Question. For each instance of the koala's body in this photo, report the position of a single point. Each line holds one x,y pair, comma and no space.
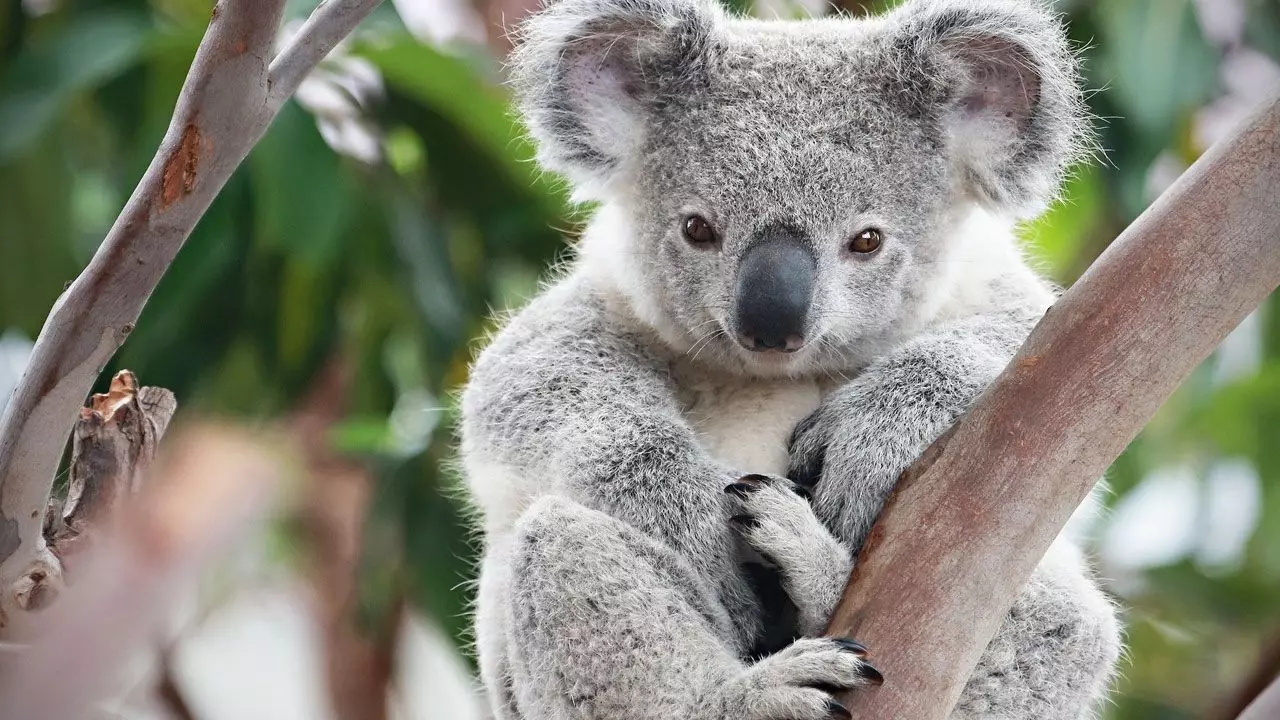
802,266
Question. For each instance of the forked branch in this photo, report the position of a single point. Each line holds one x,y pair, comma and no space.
230,96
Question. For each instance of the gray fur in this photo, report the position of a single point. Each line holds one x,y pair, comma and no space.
602,425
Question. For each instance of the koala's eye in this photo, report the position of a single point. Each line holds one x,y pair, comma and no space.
865,242
698,231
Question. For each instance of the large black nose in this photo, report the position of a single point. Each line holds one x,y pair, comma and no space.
775,286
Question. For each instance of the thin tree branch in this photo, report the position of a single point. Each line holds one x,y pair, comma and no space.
226,104
332,21
968,523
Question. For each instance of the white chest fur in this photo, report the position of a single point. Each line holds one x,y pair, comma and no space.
746,422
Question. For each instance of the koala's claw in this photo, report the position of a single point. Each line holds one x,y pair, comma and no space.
798,682
852,646
743,487
775,518
748,484
836,710
872,675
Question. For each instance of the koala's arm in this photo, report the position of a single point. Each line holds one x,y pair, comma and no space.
566,401
1057,648
851,451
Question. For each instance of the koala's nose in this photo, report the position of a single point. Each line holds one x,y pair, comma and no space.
773,293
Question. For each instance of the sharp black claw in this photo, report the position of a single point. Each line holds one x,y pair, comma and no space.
871,674
749,522
852,646
836,710
741,489
802,491
755,479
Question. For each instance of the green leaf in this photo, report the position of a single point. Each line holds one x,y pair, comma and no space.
301,194
91,49
453,89
1057,237
1157,61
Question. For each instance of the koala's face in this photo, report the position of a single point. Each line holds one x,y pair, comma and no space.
788,188
797,224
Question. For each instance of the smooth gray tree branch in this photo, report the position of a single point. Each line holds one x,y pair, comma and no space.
228,100
968,523
332,21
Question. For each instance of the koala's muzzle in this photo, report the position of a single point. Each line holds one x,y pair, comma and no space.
773,293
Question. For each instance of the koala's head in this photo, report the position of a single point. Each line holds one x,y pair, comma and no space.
782,190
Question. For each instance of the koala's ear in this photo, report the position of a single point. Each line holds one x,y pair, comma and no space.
586,73
1002,78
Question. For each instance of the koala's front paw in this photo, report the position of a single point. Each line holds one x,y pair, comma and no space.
773,516
798,682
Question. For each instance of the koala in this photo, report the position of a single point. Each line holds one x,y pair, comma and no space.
799,271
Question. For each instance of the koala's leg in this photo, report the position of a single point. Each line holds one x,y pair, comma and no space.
1054,654
605,623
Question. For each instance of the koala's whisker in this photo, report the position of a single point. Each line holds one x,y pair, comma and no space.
704,342
701,343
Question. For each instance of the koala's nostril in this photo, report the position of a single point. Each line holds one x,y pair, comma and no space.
774,289
760,343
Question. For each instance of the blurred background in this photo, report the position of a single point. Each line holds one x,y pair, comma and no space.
392,210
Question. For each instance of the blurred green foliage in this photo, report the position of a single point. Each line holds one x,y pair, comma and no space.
398,259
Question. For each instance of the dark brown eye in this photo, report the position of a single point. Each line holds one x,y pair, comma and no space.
698,231
865,242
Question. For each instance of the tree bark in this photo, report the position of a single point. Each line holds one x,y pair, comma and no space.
228,100
1266,706
968,522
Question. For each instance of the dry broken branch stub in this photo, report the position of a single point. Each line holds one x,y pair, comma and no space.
966,527
231,94
115,438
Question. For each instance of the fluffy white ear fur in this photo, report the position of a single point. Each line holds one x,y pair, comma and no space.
1014,110
586,70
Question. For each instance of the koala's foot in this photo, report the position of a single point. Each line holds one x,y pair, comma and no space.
798,682
774,517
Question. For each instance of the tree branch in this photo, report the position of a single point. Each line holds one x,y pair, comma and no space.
227,102
332,21
968,523
1266,706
